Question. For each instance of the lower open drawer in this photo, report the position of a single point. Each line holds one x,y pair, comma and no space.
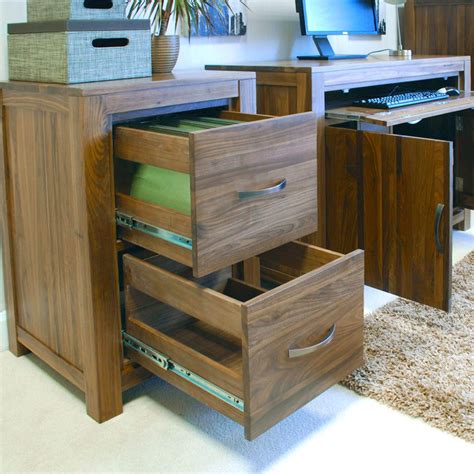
254,353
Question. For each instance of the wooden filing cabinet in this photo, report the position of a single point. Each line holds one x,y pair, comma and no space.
226,307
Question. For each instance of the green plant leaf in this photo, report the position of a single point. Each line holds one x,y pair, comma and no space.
187,11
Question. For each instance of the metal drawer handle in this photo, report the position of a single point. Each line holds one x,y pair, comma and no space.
294,353
438,215
263,192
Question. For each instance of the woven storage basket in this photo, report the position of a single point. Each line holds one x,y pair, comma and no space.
48,10
79,51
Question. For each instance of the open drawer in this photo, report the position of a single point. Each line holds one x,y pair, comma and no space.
254,354
251,186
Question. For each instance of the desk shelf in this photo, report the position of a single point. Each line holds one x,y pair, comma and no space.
412,113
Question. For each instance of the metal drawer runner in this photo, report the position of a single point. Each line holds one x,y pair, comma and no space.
131,222
166,363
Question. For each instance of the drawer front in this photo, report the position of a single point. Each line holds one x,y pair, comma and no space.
301,338
253,188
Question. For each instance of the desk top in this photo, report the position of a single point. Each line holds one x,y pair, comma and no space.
378,61
157,81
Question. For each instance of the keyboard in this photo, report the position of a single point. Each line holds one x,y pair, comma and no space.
401,100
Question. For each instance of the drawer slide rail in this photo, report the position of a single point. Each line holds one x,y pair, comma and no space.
166,363
130,222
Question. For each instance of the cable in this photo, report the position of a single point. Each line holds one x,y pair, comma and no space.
379,51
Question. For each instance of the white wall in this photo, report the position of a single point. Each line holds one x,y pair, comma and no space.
273,33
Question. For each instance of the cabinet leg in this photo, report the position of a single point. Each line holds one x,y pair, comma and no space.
17,348
103,399
14,345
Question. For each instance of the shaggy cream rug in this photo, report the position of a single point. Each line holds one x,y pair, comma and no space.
420,360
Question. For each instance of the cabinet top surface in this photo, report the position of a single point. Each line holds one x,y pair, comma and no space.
315,66
157,81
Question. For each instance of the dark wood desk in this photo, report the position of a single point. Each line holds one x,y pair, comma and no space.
348,217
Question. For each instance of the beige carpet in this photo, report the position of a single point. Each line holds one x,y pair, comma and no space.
420,360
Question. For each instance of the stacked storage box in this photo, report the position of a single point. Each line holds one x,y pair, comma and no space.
71,41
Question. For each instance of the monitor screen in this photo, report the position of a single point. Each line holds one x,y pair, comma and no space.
326,17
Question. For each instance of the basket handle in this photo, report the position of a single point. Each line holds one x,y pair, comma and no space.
110,42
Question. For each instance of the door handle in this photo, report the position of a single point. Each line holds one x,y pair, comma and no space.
294,353
263,192
437,225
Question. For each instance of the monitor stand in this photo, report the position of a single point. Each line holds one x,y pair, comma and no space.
327,53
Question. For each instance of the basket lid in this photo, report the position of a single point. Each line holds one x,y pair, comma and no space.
57,26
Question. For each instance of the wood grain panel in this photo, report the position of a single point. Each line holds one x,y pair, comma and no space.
296,315
249,157
423,184
343,183
196,346
6,243
440,27
298,258
152,148
68,371
92,161
387,74
389,210
404,181
162,97
189,297
42,183
282,93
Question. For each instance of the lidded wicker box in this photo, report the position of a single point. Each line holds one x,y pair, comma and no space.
75,51
48,10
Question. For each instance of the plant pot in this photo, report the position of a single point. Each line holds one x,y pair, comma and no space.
164,53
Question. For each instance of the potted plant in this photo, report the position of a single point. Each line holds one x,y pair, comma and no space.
165,48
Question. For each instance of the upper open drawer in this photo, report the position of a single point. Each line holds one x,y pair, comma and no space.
412,113
211,196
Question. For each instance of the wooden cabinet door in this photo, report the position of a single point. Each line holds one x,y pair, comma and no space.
392,196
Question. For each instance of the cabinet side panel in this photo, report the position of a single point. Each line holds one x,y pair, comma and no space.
6,243
44,234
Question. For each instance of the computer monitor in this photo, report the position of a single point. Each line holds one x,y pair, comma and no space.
320,18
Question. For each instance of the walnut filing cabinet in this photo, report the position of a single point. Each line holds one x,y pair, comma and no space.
232,310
